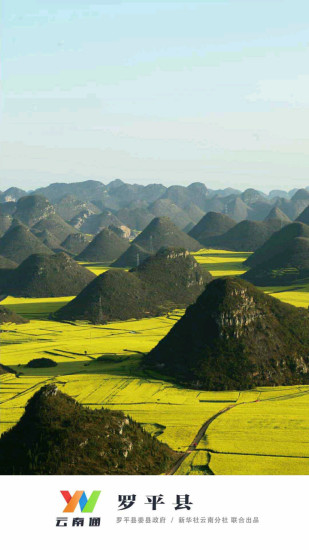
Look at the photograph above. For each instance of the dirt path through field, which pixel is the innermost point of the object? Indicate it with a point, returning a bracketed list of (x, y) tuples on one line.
[(197, 439), (203, 429)]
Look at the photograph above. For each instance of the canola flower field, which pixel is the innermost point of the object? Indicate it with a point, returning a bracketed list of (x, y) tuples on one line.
[(265, 431)]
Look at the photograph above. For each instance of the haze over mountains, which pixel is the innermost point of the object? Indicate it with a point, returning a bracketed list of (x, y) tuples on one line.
[(122, 224), (133, 205), (245, 236)]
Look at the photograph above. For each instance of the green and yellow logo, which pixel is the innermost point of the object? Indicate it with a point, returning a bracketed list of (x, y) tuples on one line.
[(86, 504)]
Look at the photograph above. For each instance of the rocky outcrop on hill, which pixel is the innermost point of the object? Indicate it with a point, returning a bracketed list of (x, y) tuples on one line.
[(235, 337), (58, 436), (161, 232), (170, 279), (8, 316)]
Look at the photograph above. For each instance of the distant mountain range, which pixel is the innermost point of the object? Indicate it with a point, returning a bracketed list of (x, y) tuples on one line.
[(90, 205), (125, 223)]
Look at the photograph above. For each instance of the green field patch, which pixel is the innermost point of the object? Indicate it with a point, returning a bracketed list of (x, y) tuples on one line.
[(35, 308)]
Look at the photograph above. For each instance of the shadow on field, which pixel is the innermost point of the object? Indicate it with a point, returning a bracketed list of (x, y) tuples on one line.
[(115, 365), (123, 365)]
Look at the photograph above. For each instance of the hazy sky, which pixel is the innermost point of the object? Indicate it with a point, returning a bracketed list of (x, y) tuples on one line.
[(171, 92)]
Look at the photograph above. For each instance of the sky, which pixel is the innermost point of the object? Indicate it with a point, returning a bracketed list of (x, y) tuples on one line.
[(155, 92)]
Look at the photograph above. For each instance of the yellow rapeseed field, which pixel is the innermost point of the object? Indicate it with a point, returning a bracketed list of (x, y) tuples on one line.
[(266, 431)]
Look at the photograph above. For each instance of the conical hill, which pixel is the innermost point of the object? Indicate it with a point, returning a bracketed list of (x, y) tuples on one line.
[(42, 275), (105, 247), (19, 242), (277, 243), (161, 232), (58, 436), (235, 337), (212, 224), (170, 279), (290, 265)]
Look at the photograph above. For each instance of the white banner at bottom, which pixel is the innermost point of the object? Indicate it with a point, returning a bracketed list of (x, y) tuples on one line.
[(145, 512)]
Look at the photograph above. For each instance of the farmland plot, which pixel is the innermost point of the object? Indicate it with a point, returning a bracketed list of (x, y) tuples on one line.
[(266, 430)]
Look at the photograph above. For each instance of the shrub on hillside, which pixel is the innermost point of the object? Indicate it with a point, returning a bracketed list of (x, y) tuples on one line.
[(41, 363)]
